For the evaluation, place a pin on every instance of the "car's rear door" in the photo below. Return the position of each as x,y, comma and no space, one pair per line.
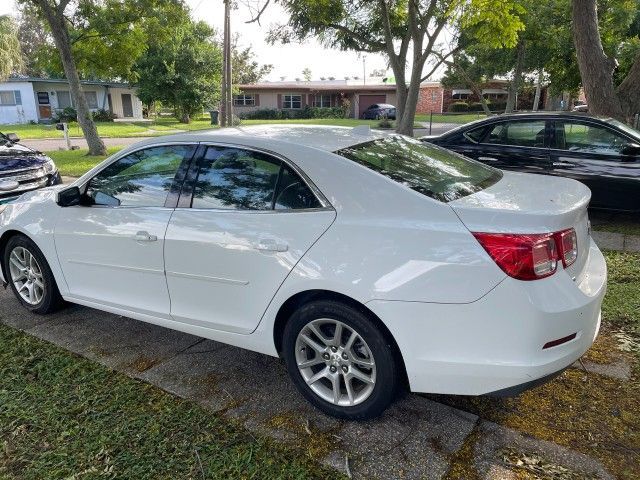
593,154
244,219
520,145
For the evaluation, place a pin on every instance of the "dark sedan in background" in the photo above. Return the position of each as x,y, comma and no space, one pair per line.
604,154
23,169
378,111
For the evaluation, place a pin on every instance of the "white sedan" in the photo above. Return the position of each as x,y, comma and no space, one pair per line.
369,261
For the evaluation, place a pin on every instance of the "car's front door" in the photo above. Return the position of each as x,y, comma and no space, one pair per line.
519,145
111,247
595,155
247,220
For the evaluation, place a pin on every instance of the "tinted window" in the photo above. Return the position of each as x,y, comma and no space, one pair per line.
579,137
521,134
432,171
141,179
476,134
293,193
236,179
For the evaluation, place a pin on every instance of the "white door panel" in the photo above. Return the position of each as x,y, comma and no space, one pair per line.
224,267
115,256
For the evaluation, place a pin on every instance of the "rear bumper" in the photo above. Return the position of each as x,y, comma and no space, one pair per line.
496,343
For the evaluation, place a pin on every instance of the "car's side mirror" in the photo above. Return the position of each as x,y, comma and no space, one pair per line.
631,149
12,137
69,197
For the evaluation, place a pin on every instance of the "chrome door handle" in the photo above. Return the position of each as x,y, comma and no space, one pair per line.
487,159
145,237
272,245
562,164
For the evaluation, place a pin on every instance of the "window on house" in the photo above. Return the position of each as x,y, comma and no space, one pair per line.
460,96
43,98
322,101
292,101
433,95
92,99
64,99
8,97
244,100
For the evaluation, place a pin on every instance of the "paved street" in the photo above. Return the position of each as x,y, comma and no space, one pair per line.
416,439
48,144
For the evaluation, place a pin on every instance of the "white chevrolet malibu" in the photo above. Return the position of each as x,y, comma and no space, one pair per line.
368,261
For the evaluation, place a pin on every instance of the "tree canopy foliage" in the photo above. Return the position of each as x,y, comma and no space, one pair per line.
10,53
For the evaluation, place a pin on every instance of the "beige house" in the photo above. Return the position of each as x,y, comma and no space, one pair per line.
297,95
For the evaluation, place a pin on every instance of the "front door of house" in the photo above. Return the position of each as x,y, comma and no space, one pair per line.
127,105
44,106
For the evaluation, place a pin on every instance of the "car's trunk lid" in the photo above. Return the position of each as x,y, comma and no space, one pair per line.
525,203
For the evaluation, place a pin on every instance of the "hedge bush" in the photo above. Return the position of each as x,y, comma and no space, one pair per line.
458,107
103,115
282,114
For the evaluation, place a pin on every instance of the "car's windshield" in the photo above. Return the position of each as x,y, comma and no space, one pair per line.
625,128
430,170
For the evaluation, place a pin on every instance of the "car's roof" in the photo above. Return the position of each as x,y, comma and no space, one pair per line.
327,138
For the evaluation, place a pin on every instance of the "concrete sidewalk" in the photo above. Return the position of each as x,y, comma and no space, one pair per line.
416,438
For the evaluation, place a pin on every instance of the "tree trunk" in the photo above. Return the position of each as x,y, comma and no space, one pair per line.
514,86
536,98
596,68
54,16
629,90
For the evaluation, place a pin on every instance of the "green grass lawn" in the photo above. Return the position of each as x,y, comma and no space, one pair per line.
621,305
450,118
62,416
74,163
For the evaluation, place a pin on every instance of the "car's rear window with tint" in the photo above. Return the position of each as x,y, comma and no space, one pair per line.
430,170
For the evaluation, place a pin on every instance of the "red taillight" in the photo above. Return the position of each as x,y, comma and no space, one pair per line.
525,257
568,242
530,256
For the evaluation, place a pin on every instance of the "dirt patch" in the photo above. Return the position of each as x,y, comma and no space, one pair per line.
316,443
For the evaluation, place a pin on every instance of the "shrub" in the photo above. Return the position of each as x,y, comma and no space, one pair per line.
458,107
69,114
477,106
103,115
282,114
498,106
385,123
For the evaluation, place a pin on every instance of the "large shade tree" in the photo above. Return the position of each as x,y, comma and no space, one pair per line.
10,53
184,73
608,91
417,36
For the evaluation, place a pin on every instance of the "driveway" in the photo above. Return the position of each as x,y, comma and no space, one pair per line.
417,438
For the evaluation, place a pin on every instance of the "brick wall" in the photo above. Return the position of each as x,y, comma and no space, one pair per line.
430,99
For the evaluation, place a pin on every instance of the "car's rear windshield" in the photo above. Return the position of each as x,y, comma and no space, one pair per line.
430,170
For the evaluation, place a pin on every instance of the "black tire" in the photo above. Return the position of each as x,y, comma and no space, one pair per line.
51,299
387,368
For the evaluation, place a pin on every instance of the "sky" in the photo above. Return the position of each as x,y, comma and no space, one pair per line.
288,60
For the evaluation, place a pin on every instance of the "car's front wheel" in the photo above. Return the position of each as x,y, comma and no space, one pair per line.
340,360
29,275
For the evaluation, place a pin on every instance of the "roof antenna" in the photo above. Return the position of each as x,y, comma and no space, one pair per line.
363,130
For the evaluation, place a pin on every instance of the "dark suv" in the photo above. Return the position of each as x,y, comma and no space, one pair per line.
23,169
378,111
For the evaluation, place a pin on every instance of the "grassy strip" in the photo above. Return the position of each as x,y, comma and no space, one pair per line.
621,307
62,416
76,162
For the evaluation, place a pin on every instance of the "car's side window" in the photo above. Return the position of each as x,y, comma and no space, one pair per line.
292,192
236,179
140,179
519,134
476,134
587,138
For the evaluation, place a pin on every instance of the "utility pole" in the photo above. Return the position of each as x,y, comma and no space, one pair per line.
226,104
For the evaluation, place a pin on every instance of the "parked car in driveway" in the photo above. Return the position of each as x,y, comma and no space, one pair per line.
604,154
369,261
378,111
23,169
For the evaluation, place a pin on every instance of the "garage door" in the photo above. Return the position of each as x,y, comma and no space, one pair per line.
365,101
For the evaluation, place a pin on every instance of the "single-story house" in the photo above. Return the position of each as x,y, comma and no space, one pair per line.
26,99
297,95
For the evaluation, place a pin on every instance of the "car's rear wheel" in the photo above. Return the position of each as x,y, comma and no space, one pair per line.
340,361
30,277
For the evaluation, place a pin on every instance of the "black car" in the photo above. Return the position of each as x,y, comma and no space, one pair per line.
378,111
602,153
23,169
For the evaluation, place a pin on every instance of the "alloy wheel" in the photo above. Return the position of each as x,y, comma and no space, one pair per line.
335,362
26,275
